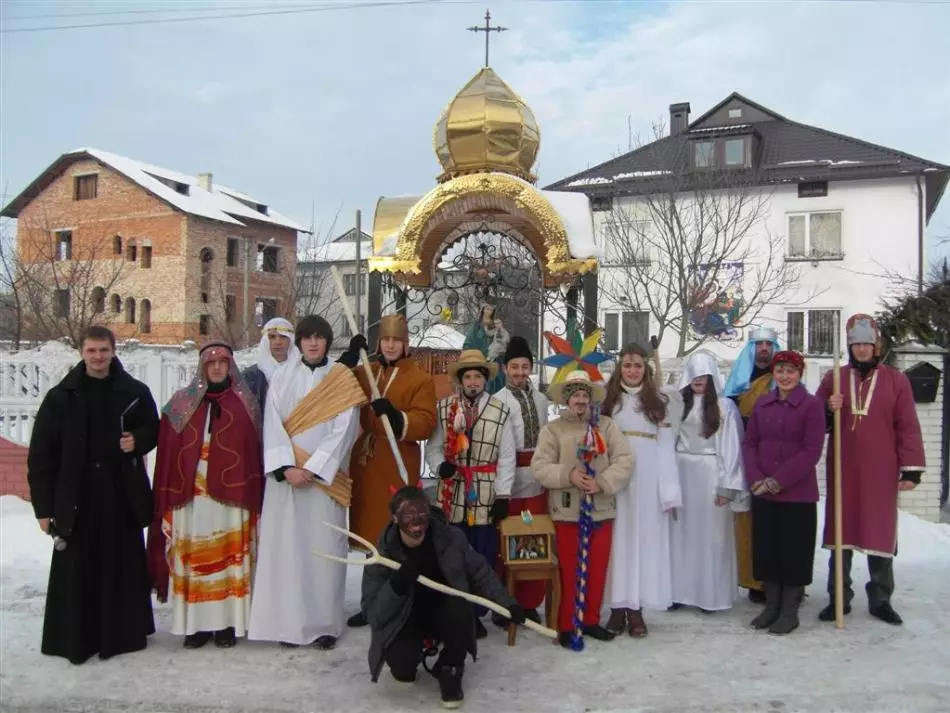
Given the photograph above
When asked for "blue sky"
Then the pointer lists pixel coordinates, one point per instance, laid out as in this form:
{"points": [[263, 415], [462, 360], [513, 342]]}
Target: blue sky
{"points": [[336, 108]]}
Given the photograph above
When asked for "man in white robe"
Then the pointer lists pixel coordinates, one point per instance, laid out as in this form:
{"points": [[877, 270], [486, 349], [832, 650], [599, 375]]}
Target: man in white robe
{"points": [[276, 347], [298, 597]]}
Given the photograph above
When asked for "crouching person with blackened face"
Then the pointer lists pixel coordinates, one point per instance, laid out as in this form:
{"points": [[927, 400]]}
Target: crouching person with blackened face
{"points": [[405, 616]]}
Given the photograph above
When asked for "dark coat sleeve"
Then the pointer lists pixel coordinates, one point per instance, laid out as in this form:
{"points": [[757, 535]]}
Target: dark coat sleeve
{"points": [[45, 453], [379, 601]]}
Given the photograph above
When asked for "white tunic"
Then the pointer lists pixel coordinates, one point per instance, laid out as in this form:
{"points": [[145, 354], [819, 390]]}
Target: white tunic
{"points": [[641, 563], [703, 535], [298, 596], [524, 486]]}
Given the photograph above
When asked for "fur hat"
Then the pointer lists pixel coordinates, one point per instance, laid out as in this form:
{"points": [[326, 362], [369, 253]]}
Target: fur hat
{"points": [[518, 349], [396, 326], [313, 324]]}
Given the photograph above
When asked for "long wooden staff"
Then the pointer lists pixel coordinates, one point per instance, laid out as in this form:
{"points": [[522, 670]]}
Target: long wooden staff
{"points": [[376, 558], [374, 389], [836, 444]]}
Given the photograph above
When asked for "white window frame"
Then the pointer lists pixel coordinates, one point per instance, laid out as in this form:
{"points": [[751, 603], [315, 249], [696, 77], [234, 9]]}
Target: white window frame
{"points": [[805, 346], [622, 339], [632, 234], [808, 254]]}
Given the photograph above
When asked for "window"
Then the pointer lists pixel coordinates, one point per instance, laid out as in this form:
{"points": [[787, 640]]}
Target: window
{"points": [[230, 308], [116, 304], [146, 260], [117, 245], [267, 258], [622, 328], [812, 331], [735, 113], [232, 259], [703, 154], [130, 310], [265, 309], [349, 284], [624, 241], [204, 298], [85, 187], [131, 250], [62, 303], [813, 189], [814, 235], [207, 258], [145, 317], [98, 300], [735, 152], [204, 324], [64, 244], [601, 203]]}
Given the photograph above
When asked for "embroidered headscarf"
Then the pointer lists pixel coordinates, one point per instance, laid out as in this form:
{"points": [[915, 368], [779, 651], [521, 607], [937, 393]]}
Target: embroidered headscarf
{"points": [[789, 357], [183, 405], [265, 360]]}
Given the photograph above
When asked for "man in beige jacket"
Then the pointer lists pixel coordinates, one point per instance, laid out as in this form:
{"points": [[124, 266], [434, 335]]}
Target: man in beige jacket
{"points": [[556, 466]]}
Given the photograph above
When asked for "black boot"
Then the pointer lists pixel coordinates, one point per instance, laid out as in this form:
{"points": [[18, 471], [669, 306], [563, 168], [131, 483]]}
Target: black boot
{"points": [[773, 603], [787, 620], [617, 621], [828, 613], [325, 642], [885, 612], [480, 631], [758, 596], [198, 639], [225, 638], [450, 683], [357, 620]]}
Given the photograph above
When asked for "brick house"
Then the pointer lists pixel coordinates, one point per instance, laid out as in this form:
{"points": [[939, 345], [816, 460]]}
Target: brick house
{"points": [[155, 255], [13, 469]]}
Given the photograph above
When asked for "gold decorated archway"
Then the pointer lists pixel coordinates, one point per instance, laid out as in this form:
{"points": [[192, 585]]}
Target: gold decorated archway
{"points": [[410, 236]]}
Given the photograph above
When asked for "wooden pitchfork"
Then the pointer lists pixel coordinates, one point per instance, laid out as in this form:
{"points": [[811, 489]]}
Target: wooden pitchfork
{"points": [[376, 558]]}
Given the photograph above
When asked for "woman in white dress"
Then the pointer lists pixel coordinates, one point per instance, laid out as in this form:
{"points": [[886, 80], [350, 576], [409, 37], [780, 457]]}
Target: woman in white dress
{"points": [[641, 564], [709, 453]]}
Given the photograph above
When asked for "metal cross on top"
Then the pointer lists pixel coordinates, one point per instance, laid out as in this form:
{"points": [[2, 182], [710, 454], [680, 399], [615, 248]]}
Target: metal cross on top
{"points": [[487, 29]]}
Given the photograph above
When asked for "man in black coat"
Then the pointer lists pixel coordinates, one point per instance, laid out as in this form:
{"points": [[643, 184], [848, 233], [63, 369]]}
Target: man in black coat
{"points": [[89, 488], [403, 614]]}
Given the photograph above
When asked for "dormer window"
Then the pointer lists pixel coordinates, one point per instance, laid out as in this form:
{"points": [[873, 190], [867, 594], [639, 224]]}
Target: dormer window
{"points": [[735, 113], [725, 152]]}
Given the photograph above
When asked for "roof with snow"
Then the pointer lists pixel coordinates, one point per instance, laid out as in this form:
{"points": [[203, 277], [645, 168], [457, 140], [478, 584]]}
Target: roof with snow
{"points": [[785, 151], [337, 252], [437, 336], [180, 191]]}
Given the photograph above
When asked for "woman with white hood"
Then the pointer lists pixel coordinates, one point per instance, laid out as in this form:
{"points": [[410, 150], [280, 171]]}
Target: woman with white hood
{"points": [[709, 455], [276, 347]]}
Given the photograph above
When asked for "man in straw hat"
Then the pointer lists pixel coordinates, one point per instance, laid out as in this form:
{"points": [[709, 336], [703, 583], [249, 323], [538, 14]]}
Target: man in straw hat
{"points": [[750, 380], [882, 453], [473, 452], [606, 470], [407, 398], [310, 423]]}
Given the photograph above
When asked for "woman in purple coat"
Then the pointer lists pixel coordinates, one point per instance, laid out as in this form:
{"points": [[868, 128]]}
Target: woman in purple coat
{"points": [[782, 446]]}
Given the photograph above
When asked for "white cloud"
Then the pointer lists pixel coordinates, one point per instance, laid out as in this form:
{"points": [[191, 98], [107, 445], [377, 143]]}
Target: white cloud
{"points": [[338, 108]]}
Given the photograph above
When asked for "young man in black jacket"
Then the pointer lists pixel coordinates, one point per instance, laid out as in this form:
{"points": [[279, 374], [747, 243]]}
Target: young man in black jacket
{"points": [[89, 487], [403, 613]]}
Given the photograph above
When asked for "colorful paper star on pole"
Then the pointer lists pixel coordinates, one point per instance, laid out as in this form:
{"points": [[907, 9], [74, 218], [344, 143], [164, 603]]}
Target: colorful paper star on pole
{"points": [[567, 359]]}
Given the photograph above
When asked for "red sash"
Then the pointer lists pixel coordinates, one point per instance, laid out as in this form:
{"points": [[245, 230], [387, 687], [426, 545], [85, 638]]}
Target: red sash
{"points": [[523, 458]]}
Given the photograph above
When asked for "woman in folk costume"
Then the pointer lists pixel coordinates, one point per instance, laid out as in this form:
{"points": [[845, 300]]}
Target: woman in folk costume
{"points": [[529, 414], [275, 348], [640, 573], [709, 454], [781, 448], [472, 450], [882, 453], [584, 460], [208, 488], [310, 425], [407, 398]]}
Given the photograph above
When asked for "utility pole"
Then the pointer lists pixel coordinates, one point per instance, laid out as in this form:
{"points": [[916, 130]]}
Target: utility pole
{"points": [[359, 282], [247, 277]]}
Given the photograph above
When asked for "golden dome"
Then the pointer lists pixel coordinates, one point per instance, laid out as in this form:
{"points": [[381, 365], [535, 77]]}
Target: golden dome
{"points": [[487, 127]]}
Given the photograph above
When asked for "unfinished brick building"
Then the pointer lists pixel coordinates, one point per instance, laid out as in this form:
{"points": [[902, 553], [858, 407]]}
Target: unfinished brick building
{"points": [[153, 254]]}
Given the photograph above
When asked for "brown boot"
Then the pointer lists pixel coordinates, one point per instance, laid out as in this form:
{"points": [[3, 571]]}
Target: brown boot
{"points": [[617, 621], [636, 627]]}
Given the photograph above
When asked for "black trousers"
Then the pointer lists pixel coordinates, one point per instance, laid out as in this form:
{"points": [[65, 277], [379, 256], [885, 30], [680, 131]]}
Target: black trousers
{"points": [[783, 541], [879, 588], [451, 621]]}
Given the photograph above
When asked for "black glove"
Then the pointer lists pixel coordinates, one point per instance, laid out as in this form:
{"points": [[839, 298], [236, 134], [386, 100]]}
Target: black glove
{"points": [[517, 614], [351, 357], [405, 577], [912, 476], [499, 510], [447, 470], [385, 406], [654, 342]]}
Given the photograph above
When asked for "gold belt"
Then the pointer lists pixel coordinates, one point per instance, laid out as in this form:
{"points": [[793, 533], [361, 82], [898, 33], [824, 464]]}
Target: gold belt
{"points": [[640, 434]]}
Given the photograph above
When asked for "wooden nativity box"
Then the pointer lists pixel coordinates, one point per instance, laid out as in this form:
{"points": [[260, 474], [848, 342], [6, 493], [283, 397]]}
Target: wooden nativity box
{"points": [[527, 542]]}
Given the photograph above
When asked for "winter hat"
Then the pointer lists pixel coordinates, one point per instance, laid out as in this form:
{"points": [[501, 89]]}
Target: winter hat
{"points": [[517, 349], [313, 324], [863, 329], [394, 325]]}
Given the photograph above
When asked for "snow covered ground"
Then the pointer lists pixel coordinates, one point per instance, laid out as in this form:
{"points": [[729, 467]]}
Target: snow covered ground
{"points": [[691, 662]]}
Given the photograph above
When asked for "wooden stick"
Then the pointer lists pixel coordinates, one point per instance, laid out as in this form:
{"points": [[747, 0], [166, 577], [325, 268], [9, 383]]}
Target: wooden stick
{"points": [[376, 558], [836, 444], [374, 389]]}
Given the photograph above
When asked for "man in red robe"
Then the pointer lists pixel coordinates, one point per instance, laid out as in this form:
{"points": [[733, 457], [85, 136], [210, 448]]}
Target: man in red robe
{"points": [[882, 452]]}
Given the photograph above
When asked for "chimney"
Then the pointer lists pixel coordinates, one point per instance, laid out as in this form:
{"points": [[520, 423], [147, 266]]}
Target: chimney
{"points": [[204, 181], [679, 118]]}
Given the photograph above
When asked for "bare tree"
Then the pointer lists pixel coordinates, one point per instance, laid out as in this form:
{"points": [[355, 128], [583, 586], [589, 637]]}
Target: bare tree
{"points": [[11, 309], [693, 249], [61, 279]]}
